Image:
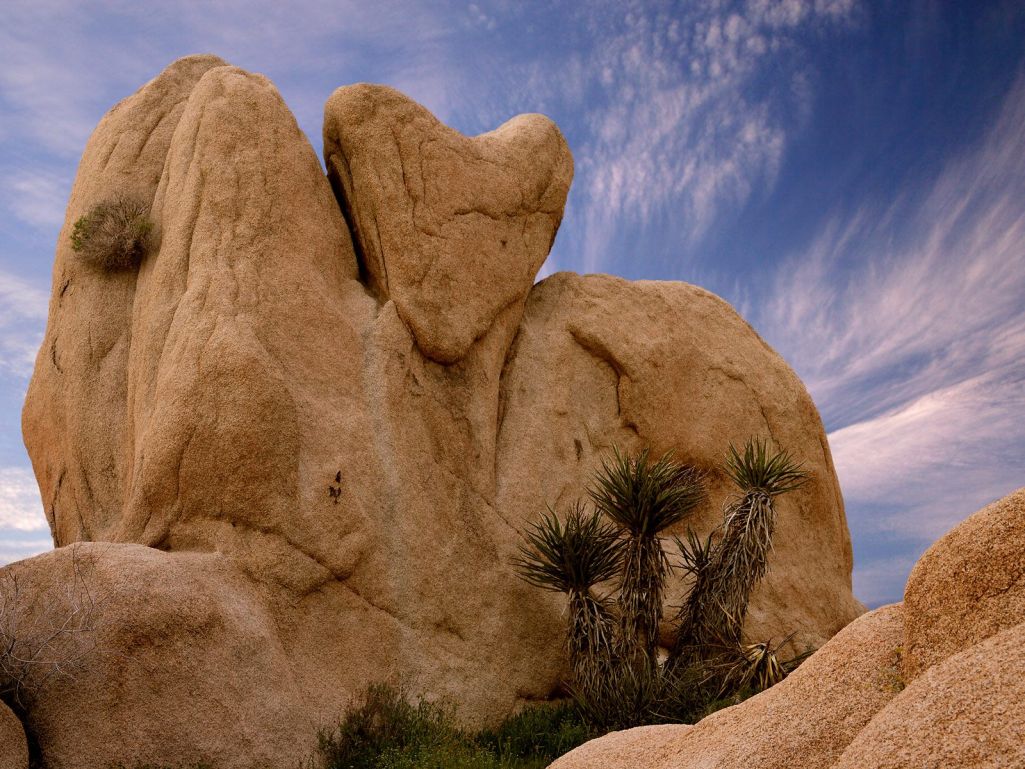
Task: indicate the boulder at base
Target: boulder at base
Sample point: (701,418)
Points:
(806,721)
(968,586)
(337,403)
(13,746)
(966,711)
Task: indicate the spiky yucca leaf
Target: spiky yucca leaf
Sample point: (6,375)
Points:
(569,557)
(757,469)
(644,498)
(695,553)
(717,605)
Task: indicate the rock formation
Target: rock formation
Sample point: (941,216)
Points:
(13,747)
(934,681)
(297,446)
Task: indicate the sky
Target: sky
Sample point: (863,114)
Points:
(849,175)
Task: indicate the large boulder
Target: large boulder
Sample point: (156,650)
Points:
(965,711)
(152,656)
(599,360)
(13,746)
(807,720)
(340,408)
(968,586)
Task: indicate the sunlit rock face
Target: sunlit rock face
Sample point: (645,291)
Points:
(327,405)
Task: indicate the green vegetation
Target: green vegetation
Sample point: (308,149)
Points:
(114,235)
(619,682)
(572,558)
(383,729)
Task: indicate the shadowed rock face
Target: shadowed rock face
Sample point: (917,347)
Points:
(336,408)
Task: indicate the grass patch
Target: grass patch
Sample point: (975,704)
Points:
(386,729)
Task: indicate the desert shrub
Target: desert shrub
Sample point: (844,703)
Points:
(572,558)
(537,735)
(383,721)
(114,235)
(384,729)
(711,665)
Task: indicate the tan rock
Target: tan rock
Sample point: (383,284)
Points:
(75,417)
(653,745)
(806,721)
(968,586)
(452,229)
(13,747)
(965,711)
(173,659)
(274,414)
(600,361)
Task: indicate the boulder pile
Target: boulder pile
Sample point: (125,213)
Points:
(292,450)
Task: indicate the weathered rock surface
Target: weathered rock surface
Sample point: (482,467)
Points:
(653,745)
(807,720)
(13,746)
(968,586)
(965,711)
(179,661)
(852,705)
(600,360)
(336,442)
(452,229)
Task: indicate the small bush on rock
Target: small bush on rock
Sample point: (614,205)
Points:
(114,235)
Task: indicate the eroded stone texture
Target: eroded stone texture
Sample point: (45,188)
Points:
(968,586)
(347,442)
(13,747)
(806,721)
(173,657)
(76,418)
(452,228)
(967,710)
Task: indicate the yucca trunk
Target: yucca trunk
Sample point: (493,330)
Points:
(590,641)
(714,614)
(641,597)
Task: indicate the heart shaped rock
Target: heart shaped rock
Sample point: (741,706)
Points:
(452,229)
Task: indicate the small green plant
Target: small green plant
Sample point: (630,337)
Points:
(384,729)
(537,734)
(711,665)
(114,235)
(573,558)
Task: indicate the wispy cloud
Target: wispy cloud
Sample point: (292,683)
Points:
(20,507)
(905,318)
(684,128)
(23,307)
(36,197)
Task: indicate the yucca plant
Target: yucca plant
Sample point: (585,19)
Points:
(572,558)
(714,613)
(643,498)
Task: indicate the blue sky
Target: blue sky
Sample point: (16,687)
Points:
(850,175)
